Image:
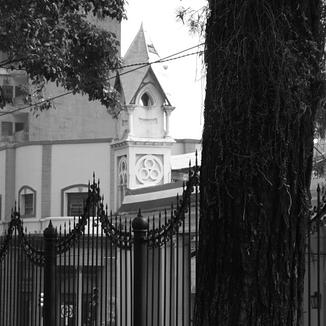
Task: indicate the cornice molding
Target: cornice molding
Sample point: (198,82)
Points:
(56,142)
(132,142)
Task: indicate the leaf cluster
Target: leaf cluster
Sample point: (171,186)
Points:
(194,19)
(55,41)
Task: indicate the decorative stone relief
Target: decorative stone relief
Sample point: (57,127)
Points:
(148,121)
(149,170)
(122,179)
(122,171)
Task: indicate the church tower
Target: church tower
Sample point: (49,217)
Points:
(141,151)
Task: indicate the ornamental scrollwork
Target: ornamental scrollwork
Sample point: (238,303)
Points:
(36,256)
(149,170)
(159,236)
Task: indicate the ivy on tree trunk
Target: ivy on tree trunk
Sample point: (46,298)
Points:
(264,86)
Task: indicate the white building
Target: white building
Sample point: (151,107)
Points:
(47,160)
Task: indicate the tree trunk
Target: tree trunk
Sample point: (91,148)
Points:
(263,81)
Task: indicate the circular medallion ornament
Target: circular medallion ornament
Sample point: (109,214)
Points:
(149,170)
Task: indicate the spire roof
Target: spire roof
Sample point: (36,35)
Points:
(141,50)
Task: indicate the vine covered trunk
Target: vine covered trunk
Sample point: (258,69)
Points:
(264,85)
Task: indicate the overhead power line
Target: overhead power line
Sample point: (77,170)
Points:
(35,104)
(171,57)
(167,58)
(124,66)
(321,153)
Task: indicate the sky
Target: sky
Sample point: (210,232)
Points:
(186,74)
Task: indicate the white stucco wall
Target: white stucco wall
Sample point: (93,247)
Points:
(149,122)
(183,146)
(74,117)
(74,164)
(29,172)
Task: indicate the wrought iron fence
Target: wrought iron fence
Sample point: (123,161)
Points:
(315,307)
(103,269)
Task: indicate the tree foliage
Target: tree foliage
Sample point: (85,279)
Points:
(54,41)
(194,19)
(265,83)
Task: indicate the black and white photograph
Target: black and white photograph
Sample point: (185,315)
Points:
(162,163)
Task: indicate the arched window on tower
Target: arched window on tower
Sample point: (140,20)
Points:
(146,100)
(122,178)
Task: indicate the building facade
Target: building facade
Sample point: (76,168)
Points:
(46,159)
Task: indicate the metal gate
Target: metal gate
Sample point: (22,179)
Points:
(102,269)
(315,277)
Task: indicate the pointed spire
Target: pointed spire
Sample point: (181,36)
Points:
(137,51)
(142,50)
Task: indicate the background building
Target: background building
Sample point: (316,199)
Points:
(46,159)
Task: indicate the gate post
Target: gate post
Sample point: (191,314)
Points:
(139,226)
(50,236)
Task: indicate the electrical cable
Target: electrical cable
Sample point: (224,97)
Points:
(139,66)
(322,154)
(121,67)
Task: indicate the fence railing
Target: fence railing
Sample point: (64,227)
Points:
(103,269)
(315,262)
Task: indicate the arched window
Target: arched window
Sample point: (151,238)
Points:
(73,199)
(27,201)
(146,100)
(122,178)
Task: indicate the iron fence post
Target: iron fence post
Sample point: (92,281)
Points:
(140,227)
(318,253)
(309,271)
(49,311)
